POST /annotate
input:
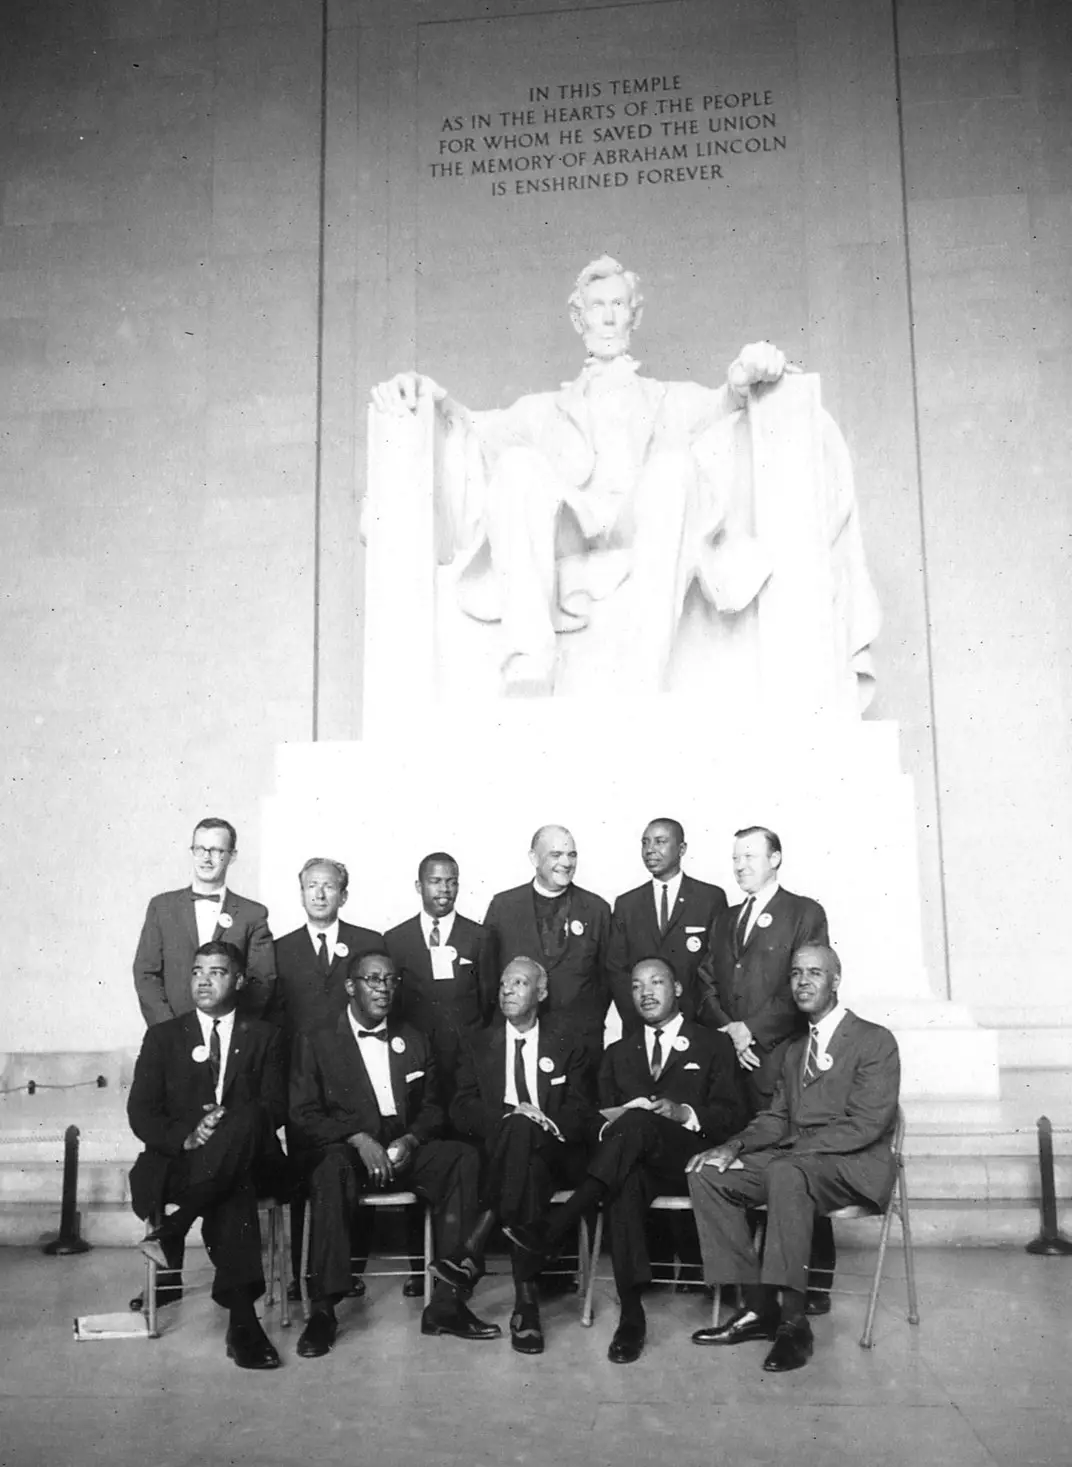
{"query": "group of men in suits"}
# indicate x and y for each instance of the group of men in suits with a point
(468, 1059)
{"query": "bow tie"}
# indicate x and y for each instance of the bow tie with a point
(373, 1034)
(206, 896)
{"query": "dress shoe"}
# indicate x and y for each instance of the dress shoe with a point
(455, 1319)
(526, 1334)
(793, 1345)
(628, 1341)
(250, 1348)
(413, 1288)
(462, 1272)
(818, 1302)
(746, 1324)
(318, 1336)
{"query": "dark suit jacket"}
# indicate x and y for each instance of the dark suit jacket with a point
(753, 985)
(848, 1111)
(331, 1095)
(302, 998)
(170, 1090)
(563, 1088)
(168, 942)
(706, 1076)
(634, 934)
(445, 1007)
(577, 982)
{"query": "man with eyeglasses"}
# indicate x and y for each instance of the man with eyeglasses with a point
(364, 1100)
(177, 923)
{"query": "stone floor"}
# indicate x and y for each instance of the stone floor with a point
(983, 1380)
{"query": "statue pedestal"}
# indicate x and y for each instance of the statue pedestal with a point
(477, 781)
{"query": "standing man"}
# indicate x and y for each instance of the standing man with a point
(439, 957)
(823, 1143)
(363, 1098)
(667, 1092)
(671, 916)
(523, 1096)
(177, 923)
(563, 928)
(312, 961)
(207, 1096)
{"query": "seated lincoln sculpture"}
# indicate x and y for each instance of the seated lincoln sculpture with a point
(615, 483)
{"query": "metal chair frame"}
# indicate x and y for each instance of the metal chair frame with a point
(375, 1200)
(664, 1202)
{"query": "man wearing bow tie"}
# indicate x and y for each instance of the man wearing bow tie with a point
(667, 1091)
(177, 923)
(364, 1101)
(596, 484)
(823, 1143)
(671, 916)
(440, 956)
(207, 1096)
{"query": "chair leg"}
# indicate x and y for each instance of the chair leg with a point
(428, 1254)
(269, 1295)
(303, 1281)
(867, 1338)
(716, 1306)
(584, 1261)
(593, 1264)
(150, 1299)
(906, 1244)
(283, 1226)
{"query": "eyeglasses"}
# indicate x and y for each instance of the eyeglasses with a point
(202, 851)
(378, 982)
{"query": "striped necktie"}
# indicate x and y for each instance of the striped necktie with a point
(811, 1058)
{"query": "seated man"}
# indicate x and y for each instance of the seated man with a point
(207, 1096)
(364, 1106)
(824, 1143)
(523, 1094)
(667, 1091)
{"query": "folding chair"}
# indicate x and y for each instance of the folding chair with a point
(376, 1200)
(278, 1253)
(665, 1202)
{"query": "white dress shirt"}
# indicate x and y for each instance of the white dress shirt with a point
(762, 898)
(670, 1030)
(377, 1056)
(446, 925)
(530, 1058)
(673, 886)
(207, 915)
(331, 936)
(225, 1030)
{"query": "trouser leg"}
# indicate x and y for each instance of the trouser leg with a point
(335, 1185)
(720, 1202)
(448, 1174)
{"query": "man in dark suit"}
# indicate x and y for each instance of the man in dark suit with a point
(177, 923)
(823, 1143)
(364, 1102)
(524, 1097)
(206, 1099)
(563, 928)
(671, 916)
(439, 955)
(313, 961)
(667, 1091)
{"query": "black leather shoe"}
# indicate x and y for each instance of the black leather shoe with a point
(413, 1288)
(745, 1325)
(251, 1349)
(458, 1321)
(461, 1273)
(318, 1336)
(792, 1347)
(628, 1341)
(818, 1302)
(526, 1334)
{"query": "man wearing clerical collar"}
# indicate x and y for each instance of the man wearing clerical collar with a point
(823, 1143)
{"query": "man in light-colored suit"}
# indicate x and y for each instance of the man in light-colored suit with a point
(824, 1143)
(177, 923)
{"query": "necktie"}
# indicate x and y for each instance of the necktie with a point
(664, 910)
(214, 1054)
(433, 938)
(373, 1034)
(742, 921)
(811, 1067)
(206, 896)
(521, 1084)
(657, 1055)
(323, 962)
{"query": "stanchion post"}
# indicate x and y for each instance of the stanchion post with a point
(1051, 1242)
(70, 1239)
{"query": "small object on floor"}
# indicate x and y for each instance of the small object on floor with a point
(526, 1334)
(126, 1326)
(318, 1336)
(457, 1320)
(357, 1287)
(628, 1341)
(250, 1348)
(818, 1302)
(413, 1288)
(745, 1325)
(793, 1345)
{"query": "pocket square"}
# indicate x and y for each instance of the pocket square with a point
(559, 1080)
(692, 1065)
(695, 929)
(414, 1075)
(465, 962)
